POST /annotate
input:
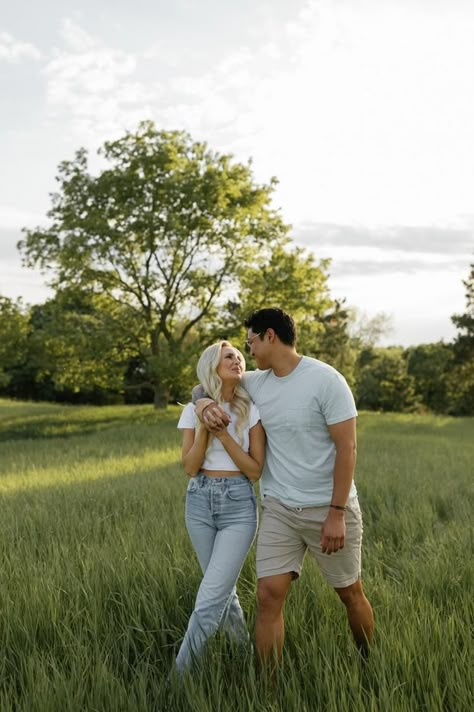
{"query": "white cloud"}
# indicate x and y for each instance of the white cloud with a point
(442, 240)
(77, 39)
(95, 88)
(12, 50)
(235, 60)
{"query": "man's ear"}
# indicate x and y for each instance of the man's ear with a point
(271, 335)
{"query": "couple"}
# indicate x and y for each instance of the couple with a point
(309, 500)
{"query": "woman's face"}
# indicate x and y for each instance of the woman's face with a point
(231, 366)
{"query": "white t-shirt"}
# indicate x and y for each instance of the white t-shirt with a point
(295, 411)
(216, 456)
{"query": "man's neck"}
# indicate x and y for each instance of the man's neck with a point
(285, 362)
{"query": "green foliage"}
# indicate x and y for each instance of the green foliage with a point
(383, 382)
(464, 343)
(98, 575)
(460, 386)
(13, 338)
(291, 278)
(461, 376)
(162, 232)
(285, 277)
(428, 365)
(79, 346)
(333, 343)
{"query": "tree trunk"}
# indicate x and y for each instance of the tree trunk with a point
(160, 397)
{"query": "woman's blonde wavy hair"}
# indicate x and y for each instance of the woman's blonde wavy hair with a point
(212, 384)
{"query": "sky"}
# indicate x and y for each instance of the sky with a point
(363, 110)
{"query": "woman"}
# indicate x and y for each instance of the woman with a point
(221, 510)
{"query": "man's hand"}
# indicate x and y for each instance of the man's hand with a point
(333, 532)
(212, 415)
(215, 419)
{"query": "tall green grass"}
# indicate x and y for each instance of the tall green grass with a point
(98, 578)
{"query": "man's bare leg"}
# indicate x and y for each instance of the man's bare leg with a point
(270, 625)
(359, 613)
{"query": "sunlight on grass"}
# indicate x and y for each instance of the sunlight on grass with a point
(89, 471)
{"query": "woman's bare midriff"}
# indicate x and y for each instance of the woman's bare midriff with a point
(221, 473)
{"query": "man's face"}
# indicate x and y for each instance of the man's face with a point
(258, 348)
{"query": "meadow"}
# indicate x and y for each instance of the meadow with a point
(98, 577)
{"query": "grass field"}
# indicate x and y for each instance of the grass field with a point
(98, 578)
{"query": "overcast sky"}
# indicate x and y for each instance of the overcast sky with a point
(363, 109)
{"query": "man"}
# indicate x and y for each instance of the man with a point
(309, 500)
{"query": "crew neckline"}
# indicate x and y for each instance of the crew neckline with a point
(288, 375)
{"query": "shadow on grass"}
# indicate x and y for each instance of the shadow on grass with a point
(73, 423)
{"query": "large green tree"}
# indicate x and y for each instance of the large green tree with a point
(163, 232)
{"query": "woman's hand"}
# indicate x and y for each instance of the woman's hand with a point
(220, 433)
(216, 420)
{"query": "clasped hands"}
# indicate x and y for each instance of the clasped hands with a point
(212, 416)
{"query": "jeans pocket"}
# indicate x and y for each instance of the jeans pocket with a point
(240, 493)
(192, 486)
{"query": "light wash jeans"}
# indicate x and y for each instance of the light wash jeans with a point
(221, 518)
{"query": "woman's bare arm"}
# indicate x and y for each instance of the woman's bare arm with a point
(194, 449)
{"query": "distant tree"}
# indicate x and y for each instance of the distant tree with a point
(367, 331)
(428, 365)
(13, 339)
(461, 375)
(164, 231)
(464, 342)
(76, 343)
(333, 342)
(383, 382)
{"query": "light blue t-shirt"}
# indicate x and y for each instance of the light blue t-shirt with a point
(295, 411)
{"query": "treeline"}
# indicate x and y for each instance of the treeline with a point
(73, 357)
(169, 248)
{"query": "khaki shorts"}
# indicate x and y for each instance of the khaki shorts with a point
(287, 532)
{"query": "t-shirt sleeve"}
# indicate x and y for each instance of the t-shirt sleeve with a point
(188, 418)
(198, 392)
(250, 381)
(254, 415)
(338, 403)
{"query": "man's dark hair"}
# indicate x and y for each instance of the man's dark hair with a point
(278, 320)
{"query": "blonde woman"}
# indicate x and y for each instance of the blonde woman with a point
(221, 510)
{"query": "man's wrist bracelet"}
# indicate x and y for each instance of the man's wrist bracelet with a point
(338, 506)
